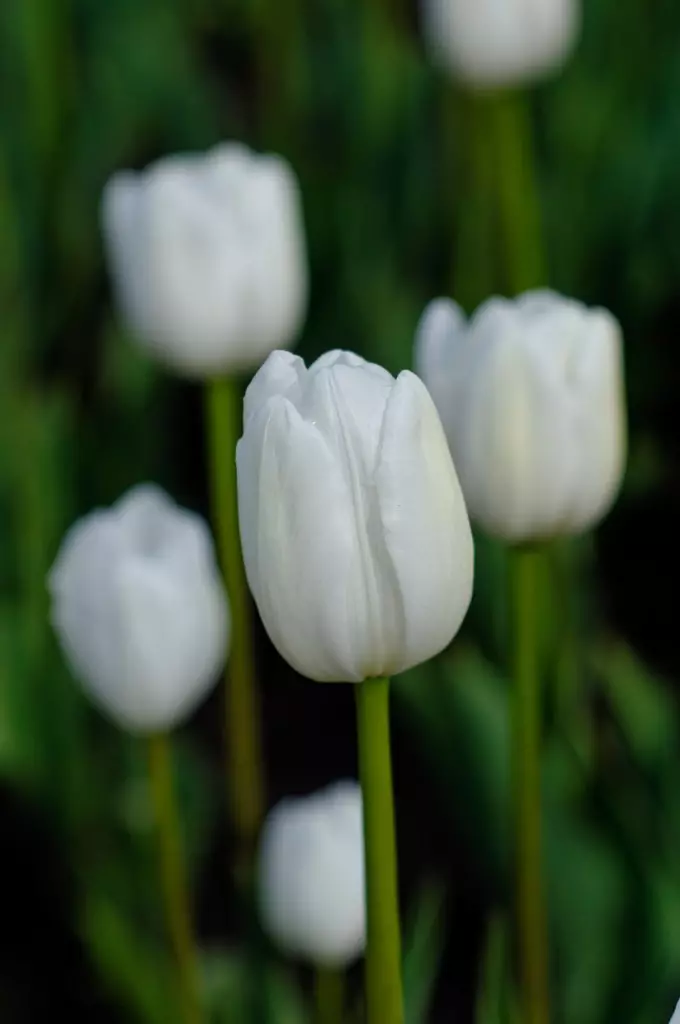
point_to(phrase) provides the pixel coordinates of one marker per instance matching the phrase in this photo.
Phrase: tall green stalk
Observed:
(518, 209)
(526, 696)
(384, 999)
(500, 248)
(242, 724)
(498, 237)
(173, 877)
(473, 197)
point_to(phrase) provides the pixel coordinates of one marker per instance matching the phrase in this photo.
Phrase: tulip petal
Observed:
(600, 427)
(440, 358)
(282, 373)
(81, 601)
(425, 523)
(517, 463)
(299, 544)
(174, 643)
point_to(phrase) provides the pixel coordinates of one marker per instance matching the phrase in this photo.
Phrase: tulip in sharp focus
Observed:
(207, 256)
(500, 42)
(311, 876)
(140, 610)
(356, 540)
(531, 395)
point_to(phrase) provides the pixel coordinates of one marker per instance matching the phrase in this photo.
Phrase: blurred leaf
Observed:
(136, 973)
(589, 888)
(132, 805)
(641, 703)
(20, 757)
(495, 997)
(424, 938)
(458, 706)
(229, 981)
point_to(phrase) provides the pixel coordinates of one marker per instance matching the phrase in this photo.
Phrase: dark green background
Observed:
(345, 92)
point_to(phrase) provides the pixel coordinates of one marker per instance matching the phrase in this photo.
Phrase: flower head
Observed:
(356, 540)
(140, 610)
(207, 256)
(311, 876)
(500, 42)
(531, 395)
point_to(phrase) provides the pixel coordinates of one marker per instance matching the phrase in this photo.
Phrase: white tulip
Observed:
(140, 610)
(311, 876)
(356, 541)
(531, 395)
(500, 42)
(675, 1019)
(207, 256)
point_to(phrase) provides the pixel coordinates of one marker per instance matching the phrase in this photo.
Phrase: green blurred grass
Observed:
(345, 92)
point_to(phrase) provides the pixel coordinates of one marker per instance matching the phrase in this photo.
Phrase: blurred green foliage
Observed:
(345, 92)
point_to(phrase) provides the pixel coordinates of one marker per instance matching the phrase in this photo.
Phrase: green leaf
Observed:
(641, 703)
(458, 707)
(231, 978)
(496, 1000)
(590, 891)
(135, 971)
(424, 938)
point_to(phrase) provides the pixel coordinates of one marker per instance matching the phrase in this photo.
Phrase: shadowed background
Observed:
(378, 140)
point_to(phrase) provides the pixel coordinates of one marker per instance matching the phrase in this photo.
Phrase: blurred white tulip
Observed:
(356, 541)
(140, 610)
(311, 876)
(207, 256)
(489, 43)
(531, 395)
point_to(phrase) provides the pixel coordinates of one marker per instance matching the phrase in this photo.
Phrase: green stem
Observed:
(531, 923)
(519, 217)
(328, 995)
(384, 1000)
(173, 877)
(243, 743)
(475, 257)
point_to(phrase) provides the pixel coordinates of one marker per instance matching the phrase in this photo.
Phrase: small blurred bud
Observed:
(311, 876)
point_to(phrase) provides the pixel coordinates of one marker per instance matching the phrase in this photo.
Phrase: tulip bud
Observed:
(140, 610)
(356, 541)
(311, 876)
(531, 395)
(500, 42)
(207, 256)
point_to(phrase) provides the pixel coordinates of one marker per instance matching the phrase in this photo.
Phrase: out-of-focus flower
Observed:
(531, 395)
(356, 540)
(207, 256)
(311, 876)
(140, 610)
(500, 42)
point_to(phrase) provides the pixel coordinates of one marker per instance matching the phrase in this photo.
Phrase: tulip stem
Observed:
(328, 995)
(243, 742)
(519, 214)
(173, 877)
(474, 221)
(384, 1000)
(530, 910)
